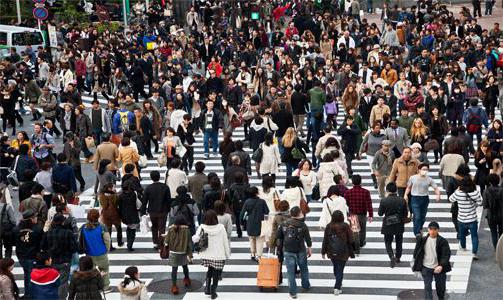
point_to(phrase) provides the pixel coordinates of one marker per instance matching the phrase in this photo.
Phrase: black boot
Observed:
(207, 290)
(374, 180)
(214, 285)
(130, 237)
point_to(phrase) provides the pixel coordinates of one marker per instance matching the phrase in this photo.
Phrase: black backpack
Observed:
(337, 245)
(292, 239)
(186, 212)
(238, 194)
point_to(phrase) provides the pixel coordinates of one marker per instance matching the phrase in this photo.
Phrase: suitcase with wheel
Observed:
(268, 272)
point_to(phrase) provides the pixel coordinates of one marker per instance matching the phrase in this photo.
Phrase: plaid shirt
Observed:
(359, 202)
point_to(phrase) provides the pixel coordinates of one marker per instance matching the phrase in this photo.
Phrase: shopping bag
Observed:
(143, 162)
(144, 224)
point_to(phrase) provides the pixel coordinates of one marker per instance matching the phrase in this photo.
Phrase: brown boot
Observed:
(187, 282)
(174, 289)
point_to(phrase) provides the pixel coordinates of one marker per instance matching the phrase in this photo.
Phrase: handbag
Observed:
(90, 142)
(12, 176)
(355, 224)
(235, 122)
(431, 144)
(392, 220)
(297, 154)
(316, 192)
(304, 206)
(143, 161)
(162, 160)
(258, 154)
(276, 200)
(203, 241)
(164, 249)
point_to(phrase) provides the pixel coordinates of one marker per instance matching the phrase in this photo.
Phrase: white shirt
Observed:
(430, 259)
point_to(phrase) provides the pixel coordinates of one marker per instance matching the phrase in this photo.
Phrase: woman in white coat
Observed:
(293, 191)
(326, 172)
(271, 159)
(268, 193)
(333, 202)
(218, 251)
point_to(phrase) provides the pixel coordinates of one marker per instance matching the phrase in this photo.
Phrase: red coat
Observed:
(80, 67)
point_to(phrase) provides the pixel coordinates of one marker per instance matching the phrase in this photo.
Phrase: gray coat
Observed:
(255, 209)
(383, 163)
(401, 140)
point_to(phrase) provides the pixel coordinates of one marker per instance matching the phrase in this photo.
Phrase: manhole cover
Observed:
(414, 295)
(163, 286)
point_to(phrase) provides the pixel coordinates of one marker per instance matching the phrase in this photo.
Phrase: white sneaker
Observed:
(475, 256)
(337, 292)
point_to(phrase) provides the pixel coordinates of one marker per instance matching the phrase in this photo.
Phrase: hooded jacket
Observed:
(218, 244)
(134, 290)
(44, 283)
(86, 285)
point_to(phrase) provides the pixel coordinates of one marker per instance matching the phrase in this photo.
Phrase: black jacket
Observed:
(284, 120)
(256, 209)
(349, 137)
(60, 242)
(343, 231)
(230, 175)
(86, 285)
(27, 240)
(290, 245)
(493, 202)
(299, 102)
(127, 208)
(393, 205)
(443, 253)
(217, 121)
(156, 198)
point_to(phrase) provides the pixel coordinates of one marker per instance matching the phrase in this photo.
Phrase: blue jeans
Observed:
(419, 205)
(291, 260)
(213, 135)
(463, 230)
(440, 281)
(27, 265)
(338, 272)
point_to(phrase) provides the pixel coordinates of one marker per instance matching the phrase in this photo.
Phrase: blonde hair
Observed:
(289, 137)
(418, 131)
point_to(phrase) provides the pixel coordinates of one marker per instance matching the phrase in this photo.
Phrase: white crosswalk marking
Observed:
(366, 277)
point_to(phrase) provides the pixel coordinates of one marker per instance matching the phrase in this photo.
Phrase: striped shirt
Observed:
(467, 203)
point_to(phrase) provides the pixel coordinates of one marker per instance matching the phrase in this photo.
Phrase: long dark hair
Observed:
(130, 276)
(5, 264)
(103, 166)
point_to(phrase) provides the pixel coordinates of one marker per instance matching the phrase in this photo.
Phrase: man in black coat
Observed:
(244, 157)
(231, 172)
(283, 119)
(299, 103)
(349, 133)
(394, 210)
(157, 202)
(144, 127)
(431, 258)
(366, 104)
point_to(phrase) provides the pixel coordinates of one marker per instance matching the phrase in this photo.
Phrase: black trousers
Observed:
(130, 237)
(212, 276)
(174, 270)
(77, 170)
(349, 159)
(188, 159)
(146, 145)
(11, 119)
(158, 226)
(388, 240)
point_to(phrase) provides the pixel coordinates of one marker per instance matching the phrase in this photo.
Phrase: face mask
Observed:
(423, 172)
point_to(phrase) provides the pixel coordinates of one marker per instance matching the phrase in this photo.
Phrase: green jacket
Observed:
(406, 123)
(317, 97)
(179, 240)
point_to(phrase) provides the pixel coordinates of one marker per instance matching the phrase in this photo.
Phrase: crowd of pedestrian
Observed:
(428, 81)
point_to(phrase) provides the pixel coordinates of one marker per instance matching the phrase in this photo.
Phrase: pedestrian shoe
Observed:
(397, 260)
(392, 263)
(475, 256)
(107, 290)
(293, 296)
(186, 282)
(337, 292)
(174, 290)
(207, 287)
(461, 249)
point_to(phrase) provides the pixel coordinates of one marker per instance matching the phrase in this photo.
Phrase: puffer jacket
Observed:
(134, 290)
(179, 240)
(86, 285)
(110, 209)
(402, 170)
(218, 244)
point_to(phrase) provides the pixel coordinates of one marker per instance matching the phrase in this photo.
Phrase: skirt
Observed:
(216, 264)
(177, 259)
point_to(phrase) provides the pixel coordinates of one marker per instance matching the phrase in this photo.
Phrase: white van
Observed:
(19, 37)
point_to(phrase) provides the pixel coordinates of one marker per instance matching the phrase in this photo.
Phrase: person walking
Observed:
(109, 204)
(403, 167)
(349, 133)
(493, 203)
(292, 238)
(185, 206)
(45, 280)
(418, 186)
(157, 203)
(27, 237)
(217, 251)
(60, 244)
(337, 246)
(131, 288)
(72, 149)
(283, 214)
(468, 198)
(253, 213)
(179, 243)
(94, 241)
(36, 204)
(394, 210)
(334, 201)
(87, 282)
(370, 145)
(7, 223)
(238, 195)
(129, 205)
(63, 178)
(382, 164)
(8, 287)
(271, 158)
(292, 148)
(175, 177)
(307, 177)
(360, 204)
(432, 258)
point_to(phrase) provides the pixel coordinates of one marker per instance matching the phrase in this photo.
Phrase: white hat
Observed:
(416, 145)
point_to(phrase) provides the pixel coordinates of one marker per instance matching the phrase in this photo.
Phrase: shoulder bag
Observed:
(258, 154)
(164, 248)
(304, 207)
(12, 176)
